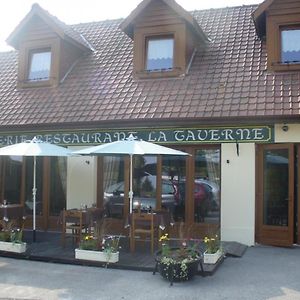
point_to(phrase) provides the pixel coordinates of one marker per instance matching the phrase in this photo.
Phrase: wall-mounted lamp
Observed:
(285, 128)
(87, 162)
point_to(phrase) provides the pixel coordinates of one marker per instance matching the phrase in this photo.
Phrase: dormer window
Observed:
(40, 64)
(166, 38)
(290, 45)
(160, 54)
(277, 24)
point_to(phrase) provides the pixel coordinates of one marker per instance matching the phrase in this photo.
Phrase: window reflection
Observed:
(207, 186)
(113, 185)
(173, 180)
(58, 185)
(144, 182)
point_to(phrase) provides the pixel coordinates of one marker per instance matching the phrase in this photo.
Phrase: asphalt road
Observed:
(262, 273)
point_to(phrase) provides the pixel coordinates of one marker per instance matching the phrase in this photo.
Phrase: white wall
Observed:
(81, 181)
(292, 135)
(238, 193)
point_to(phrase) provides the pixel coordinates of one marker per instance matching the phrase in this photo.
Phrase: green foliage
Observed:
(10, 232)
(212, 244)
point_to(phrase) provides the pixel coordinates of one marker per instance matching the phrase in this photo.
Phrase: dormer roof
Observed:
(128, 24)
(259, 17)
(64, 31)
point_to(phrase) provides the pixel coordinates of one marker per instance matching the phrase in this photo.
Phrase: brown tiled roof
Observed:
(229, 81)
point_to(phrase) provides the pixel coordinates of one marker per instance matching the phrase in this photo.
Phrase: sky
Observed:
(81, 11)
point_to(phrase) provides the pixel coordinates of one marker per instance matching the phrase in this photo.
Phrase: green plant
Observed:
(109, 244)
(10, 232)
(212, 244)
(175, 260)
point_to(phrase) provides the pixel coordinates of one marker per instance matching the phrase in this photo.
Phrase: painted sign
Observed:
(260, 134)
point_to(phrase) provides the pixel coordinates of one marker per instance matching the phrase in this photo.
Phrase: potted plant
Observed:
(11, 237)
(95, 249)
(213, 250)
(178, 263)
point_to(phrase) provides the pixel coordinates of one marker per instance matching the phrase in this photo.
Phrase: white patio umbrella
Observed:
(130, 146)
(34, 148)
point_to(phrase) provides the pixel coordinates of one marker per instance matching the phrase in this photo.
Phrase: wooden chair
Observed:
(141, 224)
(73, 220)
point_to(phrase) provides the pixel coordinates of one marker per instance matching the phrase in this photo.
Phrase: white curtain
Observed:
(40, 66)
(290, 40)
(160, 54)
(162, 48)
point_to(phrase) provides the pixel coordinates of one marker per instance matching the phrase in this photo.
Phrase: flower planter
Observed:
(177, 271)
(212, 258)
(97, 256)
(13, 247)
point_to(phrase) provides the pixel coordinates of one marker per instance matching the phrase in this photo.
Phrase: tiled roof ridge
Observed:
(224, 7)
(190, 11)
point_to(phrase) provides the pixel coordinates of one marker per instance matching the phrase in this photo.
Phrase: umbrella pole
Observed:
(130, 187)
(34, 199)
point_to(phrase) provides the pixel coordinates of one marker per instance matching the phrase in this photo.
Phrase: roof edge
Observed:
(37, 10)
(258, 17)
(126, 23)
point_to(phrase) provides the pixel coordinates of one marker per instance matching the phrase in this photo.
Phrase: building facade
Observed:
(220, 84)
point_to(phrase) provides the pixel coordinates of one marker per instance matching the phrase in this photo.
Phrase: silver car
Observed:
(146, 197)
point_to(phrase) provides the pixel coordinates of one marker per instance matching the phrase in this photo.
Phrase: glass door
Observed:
(275, 209)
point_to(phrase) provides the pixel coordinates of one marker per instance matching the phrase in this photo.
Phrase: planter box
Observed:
(173, 271)
(97, 256)
(212, 258)
(13, 247)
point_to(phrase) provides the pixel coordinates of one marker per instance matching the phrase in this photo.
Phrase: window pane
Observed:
(144, 182)
(174, 186)
(113, 185)
(40, 66)
(207, 186)
(12, 179)
(58, 185)
(290, 45)
(276, 187)
(160, 54)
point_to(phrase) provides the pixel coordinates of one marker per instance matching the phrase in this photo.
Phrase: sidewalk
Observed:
(262, 273)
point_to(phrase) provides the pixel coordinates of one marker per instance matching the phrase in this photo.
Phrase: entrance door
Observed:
(275, 199)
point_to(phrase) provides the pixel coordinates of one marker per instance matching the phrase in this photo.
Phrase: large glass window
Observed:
(174, 186)
(39, 65)
(58, 185)
(113, 186)
(160, 52)
(144, 182)
(290, 45)
(207, 186)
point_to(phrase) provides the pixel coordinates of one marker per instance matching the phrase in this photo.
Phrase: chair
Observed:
(73, 220)
(141, 224)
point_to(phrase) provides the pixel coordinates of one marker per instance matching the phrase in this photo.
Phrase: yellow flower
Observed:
(164, 238)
